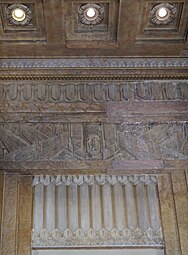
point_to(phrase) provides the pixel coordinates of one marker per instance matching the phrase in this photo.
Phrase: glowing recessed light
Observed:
(18, 14)
(91, 13)
(162, 13)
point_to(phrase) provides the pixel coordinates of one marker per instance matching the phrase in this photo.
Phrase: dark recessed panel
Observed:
(163, 21)
(22, 21)
(70, 28)
(97, 29)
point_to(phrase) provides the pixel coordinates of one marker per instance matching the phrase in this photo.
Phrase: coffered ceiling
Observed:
(97, 28)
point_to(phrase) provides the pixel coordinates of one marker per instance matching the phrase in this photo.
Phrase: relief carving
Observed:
(96, 219)
(168, 18)
(95, 63)
(70, 141)
(93, 145)
(93, 139)
(64, 92)
(98, 14)
(28, 15)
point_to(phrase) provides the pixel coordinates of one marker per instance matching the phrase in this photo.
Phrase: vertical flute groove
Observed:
(67, 206)
(124, 206)
(44, 207)
(147, 205)
(102, 209)
(113, 206)
(79, 206)
(56, 207)
(136, 206)
(90, 208)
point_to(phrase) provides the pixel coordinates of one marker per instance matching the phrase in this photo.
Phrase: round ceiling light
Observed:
(162, 13)
(18, 14)
(91, 13)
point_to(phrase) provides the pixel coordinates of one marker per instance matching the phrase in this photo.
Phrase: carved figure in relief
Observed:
(93, 145)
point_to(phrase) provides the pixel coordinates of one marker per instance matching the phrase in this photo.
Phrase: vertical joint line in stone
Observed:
(160, 212)
(158, 204)
(176, 216)
(33, 203)
(3, 203)
(186, 179)
(17, 211)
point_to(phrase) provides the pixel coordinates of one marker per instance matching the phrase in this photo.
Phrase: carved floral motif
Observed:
(27, 11)
(96, 19)
(168, 19)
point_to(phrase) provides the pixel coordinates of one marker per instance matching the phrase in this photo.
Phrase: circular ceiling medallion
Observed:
(18, 14)
(91, 14)
(163, 14)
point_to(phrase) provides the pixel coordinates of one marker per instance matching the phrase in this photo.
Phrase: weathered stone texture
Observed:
(47, 141)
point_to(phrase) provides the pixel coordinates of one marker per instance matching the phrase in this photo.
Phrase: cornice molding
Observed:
(182, 76)
(93, 63)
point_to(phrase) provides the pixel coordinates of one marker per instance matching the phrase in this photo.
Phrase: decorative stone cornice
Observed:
(96, 63)
(137, 77)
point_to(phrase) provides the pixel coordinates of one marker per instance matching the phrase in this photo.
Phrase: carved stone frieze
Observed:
(102, 238)
(161, 90)
(91, 179)
(92, 91)
(95, 63)
(98, 141)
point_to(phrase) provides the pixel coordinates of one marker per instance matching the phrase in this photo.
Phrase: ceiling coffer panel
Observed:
(162, 21)
(22, 21)
(94, 27)
(88, 24)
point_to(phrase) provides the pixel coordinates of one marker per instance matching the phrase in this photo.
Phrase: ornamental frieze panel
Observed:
(110, 63)
(91, 91)
(94, 141)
